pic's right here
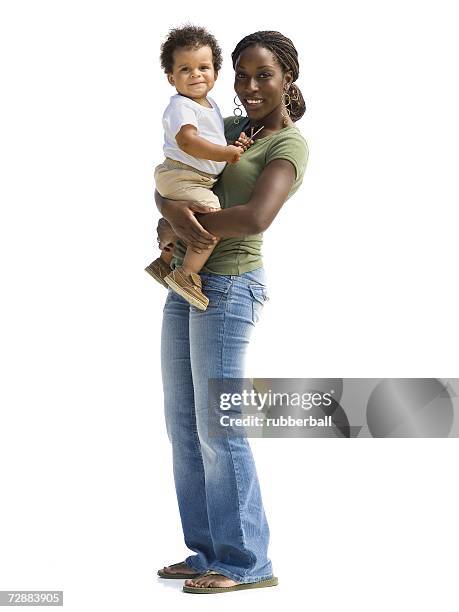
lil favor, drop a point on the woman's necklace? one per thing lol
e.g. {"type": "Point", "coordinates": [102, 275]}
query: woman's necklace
{"type": "Point", "coordinates": [252, 133]}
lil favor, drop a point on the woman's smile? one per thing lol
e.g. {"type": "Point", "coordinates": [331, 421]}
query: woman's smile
{"type": "Point", "coordinates": [259, 82]}
{"type": "Point", "coordinates": [253, 106]}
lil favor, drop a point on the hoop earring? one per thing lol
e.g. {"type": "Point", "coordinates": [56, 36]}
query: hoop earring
{"type": "Point", "coordinates": [294, 95]}
{"type": "Point", "coordinates": [286, 102]}
{"type": "Point", "coordinates": [237, 112]}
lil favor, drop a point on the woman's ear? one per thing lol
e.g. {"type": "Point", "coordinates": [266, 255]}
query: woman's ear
{"type": "Point", "coordinates": [170, 78]}
{"type": "Point", "coordinates": [288, 78]}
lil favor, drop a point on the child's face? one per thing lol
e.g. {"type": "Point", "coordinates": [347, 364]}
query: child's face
{"type": "Point", "coordinates": [193, 74]}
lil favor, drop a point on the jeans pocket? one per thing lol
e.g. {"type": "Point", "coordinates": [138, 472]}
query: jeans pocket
{"type": "Point", "coordinates": [215, 291]}
{"type": "Point", "coordinates": [260, 296]}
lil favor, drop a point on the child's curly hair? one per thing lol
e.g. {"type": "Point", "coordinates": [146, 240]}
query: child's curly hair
{"type": "Point", "coordinates": [189, 36]}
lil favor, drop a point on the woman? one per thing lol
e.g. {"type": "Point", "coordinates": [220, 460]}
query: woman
{"type": "Point", "coordinates": [218, 492]}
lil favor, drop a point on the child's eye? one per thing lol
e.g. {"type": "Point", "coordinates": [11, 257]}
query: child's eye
{"type": "Point", "coordinates": [183, 69]}
{"type": "Point", "coordinates": [205, 67]}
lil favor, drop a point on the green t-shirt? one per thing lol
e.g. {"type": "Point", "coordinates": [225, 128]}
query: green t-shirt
{"type": "Point", "coordinates": [235, 186]}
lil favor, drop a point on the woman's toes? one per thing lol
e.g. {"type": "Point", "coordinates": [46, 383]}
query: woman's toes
{"type": "Point", "coordinates": [210, 581]}
{"type": "Point", "coordinates": [195, 582]}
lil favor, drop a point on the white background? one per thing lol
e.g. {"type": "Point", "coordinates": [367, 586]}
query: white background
{"type": "Point", "coordinates": [362, 267]}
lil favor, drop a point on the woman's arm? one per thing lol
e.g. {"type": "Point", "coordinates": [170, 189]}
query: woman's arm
{"type": "Point", "coordinates": [181, 216]}
{"type": "Point", "coordinates": [270, 193]}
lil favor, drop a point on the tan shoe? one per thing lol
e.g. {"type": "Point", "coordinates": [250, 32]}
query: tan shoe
{"type": "Point", "coordinates": [159, 269]}
{"type": "Point", "coordinates": [189, 287]}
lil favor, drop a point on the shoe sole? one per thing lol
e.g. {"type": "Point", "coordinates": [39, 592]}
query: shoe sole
{"type": "Point", "coordinates": [237, 587]}
{"type": "Point", "coordinates": [186, 296]}
{"type": "Point", "coordinates": [156, 276]}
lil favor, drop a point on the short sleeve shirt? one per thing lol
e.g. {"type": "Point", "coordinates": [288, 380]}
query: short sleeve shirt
{"type": "Point", "coordinates": [208, 123]}
{"type": "Point", "coordinates": [235, 187]}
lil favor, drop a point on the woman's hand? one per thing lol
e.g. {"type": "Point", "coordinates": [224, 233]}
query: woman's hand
{"type": "Point", "coordinates": [166, 236]}
{"type": "Point", "coordinates": [181, 216]}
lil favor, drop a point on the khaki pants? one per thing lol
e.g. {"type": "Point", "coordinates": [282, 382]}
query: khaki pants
{"type": "Point", "coordinates": [179, 181]}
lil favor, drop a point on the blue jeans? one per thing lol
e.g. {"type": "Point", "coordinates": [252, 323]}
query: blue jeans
{"type": "Point", "coordinates": [217, 487]}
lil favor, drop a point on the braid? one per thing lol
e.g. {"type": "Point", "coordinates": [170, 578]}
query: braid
{"type": "Point", "coordinates": [284, 51]}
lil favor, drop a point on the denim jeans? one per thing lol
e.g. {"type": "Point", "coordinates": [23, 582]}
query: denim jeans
{"type": "Point", "coordinates": [217, 487]}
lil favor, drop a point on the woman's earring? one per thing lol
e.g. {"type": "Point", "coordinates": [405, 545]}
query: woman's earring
{"type": "Point", "coordinates": [237, 112]}
{"type": "Point", "coordinates": [294, 95]}
{"type": "Point", "coordinates": [286, 102]}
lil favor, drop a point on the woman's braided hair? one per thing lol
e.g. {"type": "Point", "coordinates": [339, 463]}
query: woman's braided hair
{"type": "Point", "coordinates": [284, 51]}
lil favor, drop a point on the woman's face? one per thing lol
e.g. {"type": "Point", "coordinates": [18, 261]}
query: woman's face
{"type": "Point", "coordinates": [259, 82]}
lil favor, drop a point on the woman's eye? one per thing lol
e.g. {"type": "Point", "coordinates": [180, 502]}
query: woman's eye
{"type": "Point", "coordinates": [265, 75]}
{"type": "Point", "coordinates": [239, 75]}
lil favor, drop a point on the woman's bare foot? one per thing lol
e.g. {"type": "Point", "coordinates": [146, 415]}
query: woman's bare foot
{"type": "Point", "coordinates": [212, 580]}
{"type": "Point", "coordinates": [179, 568]}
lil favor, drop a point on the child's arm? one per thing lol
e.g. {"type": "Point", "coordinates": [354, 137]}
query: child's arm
{"type": "Point", "coordinates": [192, 144]}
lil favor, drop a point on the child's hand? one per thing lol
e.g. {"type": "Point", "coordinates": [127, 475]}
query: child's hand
{"type": "Point", "coordinates": [243, 141]}
{"type": "Point", "coordinates": [233, 154]}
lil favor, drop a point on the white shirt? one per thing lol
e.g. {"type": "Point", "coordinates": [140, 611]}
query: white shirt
{"type": "Point", "coordinates": [208, 122]}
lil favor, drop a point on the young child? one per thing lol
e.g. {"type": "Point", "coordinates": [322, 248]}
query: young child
{"type": "Point", "coordinates": [194, 146]}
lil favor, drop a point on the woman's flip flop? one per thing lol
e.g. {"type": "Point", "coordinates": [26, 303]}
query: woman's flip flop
{"type": "Point", "coordinates": [273, 581]}
{"type": "Point", "coordinates": [178, 575]}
